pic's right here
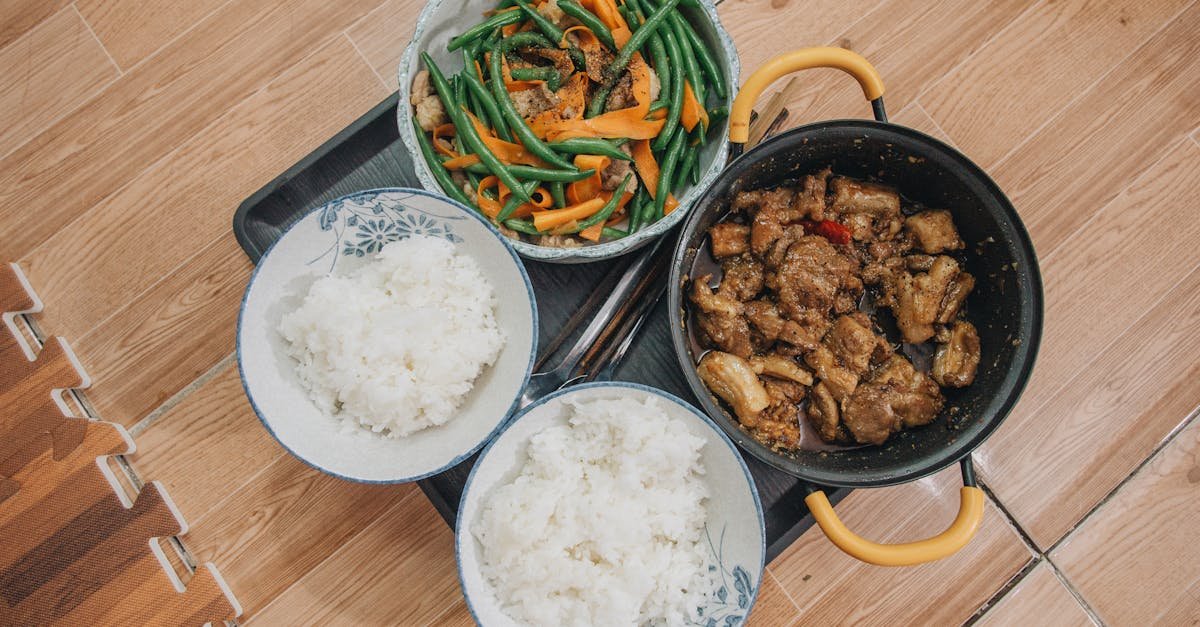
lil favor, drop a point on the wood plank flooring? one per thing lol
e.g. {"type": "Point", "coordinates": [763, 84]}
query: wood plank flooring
{"type": "Point", "coordinates": [131, 129]}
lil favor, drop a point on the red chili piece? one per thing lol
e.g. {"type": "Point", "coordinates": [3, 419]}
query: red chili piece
{"type": "Point", "coordinates": [830, 230]}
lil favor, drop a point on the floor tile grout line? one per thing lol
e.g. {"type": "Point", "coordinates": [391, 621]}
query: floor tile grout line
{"type": "Point", "coordinates": [936, 124]}
{"type": "Point", "coordinates": [1004, 590]}
{"type": "Point", "coordinates": [342, 547]}
{"type": "Point", "coordinates": [1187, 420]}
{"type": "Point", "coordinates": [767, 572]}
{"type": "Point", "coordinates": [90, 30]}
{"type": "Point", "coordinates": [1090, 87]}
{"type": "Point", "coordinates": [175, 399]}
{"type": "Point", "coordinates": [362, 56]}
{"type": "Point", "coordinates": [1079, 598]}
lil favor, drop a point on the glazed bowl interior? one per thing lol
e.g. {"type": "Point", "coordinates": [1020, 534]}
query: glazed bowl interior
{"type": "Point", "coordinates": [337, 238]}
{"type": "Point", "coordinates": [735, 536]}
{"type": "Point", "coordinates": [442, 20]}
{"type": "Point", "coordinates": [1005, 306]}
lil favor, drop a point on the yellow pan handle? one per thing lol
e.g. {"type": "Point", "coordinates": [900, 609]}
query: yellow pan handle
{"type": "Point", "coordinates": [970, 514]}
{"type": "Point", "coordinates": [850, 62]}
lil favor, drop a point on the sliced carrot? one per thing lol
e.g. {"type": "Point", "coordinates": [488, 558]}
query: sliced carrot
{"type": "Point", "coordinates": [461, 161]}
{"type": "Point", "coordinates": [590, 187]}
{"type": "Point", "coordinates": [607, 11]}
{"type": "Point", "coordinates": [647, 169]}
{"type": "Point", "coordinates": [692, 113]}
{"type": "Point", "coordinates": [441, 145]}
{"type": "Point", "coordinates": [508, 152]}
{"type": "Point", "coordinates": [491, 208]}
{"type": "Point", "coordinates": [550, 218]}
{"type": "Point", "coordinates": [593, 233]}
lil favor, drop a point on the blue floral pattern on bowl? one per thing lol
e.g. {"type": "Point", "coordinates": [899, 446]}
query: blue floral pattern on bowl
{"type": "Point", "coordinates": [362, 224]}
{"type": "Point", "coordinates": [731, 600]}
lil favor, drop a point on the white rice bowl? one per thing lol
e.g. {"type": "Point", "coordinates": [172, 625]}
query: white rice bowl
{"type": "Point", "coordinates": [396, 345]}
{"type": "Point", "coordinates": [610, 504]}
{"type": "Point", "coordinates": [339, 238]}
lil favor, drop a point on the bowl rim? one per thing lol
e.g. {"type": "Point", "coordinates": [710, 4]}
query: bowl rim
{"type": "Point", "coordinates": [590, 252]}
{"type": "Point", "coordinates": [1020, 369]}
{"type": "Point", "coordinates": [460, 531]}
{"type": "Point", "coordinates": [504, 419]}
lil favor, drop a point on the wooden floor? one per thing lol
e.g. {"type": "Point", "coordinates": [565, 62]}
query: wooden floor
{"type": "Point", "coordinates": [131, 129]}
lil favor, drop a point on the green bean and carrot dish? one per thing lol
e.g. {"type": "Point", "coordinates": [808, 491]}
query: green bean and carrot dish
{"type": "Point", "coordinates": [571, 121]}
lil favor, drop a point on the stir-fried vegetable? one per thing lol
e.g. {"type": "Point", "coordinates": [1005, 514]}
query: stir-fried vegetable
{"type": "Point", "coordinates": [581, 122]}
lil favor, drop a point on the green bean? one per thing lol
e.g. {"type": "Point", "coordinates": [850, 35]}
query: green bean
{"type": "Point", "coordinates": [607, 210]}
{"type": "Point", "coordinates": [513, 201]}
{"type": "Point", "coordinates": [647, 213]}
{"type": "Point", "coordinates": [636, 208]}
{"type": "Point", "coordinates": [473, 179]}
{"type": "Point", "coordinates": [466, 130]}
{"type": "Point", "coordinates": [522, 226]}
{"type": "Point", "coordinates": [547, 74]}
{"type": "Point", "coordinates": [589, 146]}
{"type": "Point", "coordinates": [658, 104]}
{"type": "Point", "coordinates": [690, 67]}
{"type": "Point", "coordinates": [610, 232]}
{"type": "Point", "coordinates": [688, 167]}
{"type": "Point", "coordinates": [515, 122]}
{"type": "Point", "coordinates": [538, 174]}
{"type": "Point", "coordinates": [675, 100]}
{"type": "Point", "coordinates": [639, 38]}
{"type": "Point", "coordinates": [556, 192]}
{"type": "Point", "coordinates": [485, 100]}
{"type": "Point", "coordinates": [662, 68]}
{"type": "Point", "coordinates": [708, 63]}
{"type": "Point", "coordinates": [666, 175]}
{"type": "Point", "coordinates": [617, 67]}
{"type": "Point", "coordinates": [527, 39]}
{"type": "Point", "coordinates": [438, 170]}
{"type": "Point", "coordinates": [545, 25]}
{"type": "Point", "coordinates": [476, 31]}
{"type": "Point", "coordinates": [589, 19]}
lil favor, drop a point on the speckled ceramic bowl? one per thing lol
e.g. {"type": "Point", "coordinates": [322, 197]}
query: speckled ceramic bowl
{"type": "Point", "coordinates": [735, 532]}
{"type": "Point", "coordinates": [442, 20]}
{"type": "Point", "coordinates": [337, 238]}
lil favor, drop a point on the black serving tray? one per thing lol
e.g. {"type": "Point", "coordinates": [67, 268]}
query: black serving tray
{"type": "Point", "coordinates": [369, 154]}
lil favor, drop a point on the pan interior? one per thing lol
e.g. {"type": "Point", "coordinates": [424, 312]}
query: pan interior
{"type": "Point", "coordinates": [1005, 305]}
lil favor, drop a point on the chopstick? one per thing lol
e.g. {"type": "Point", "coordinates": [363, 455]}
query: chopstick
{"type": "Point", "coordinates": [771, 114]}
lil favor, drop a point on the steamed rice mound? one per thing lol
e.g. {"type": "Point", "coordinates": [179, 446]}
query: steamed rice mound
{"type": "Point", "coordinates": [603, 525]}
{"type": "Point", "coordinates": [396, 345]}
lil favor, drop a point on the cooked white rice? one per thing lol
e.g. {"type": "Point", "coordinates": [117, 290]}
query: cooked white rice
{"type": "Point", "coordinates": [603, 525]}
{"type": "Point", "coordinates": [396, 345]}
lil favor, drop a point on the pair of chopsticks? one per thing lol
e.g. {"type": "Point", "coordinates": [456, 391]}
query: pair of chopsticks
{"type": "Point", "coordinates": [770, 118]}
{"type": "Point", "coordinates": [618, 308]}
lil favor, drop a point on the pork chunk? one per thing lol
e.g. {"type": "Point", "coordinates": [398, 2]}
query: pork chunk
{"type": "Point", "coordinates": [729, 239]}
{"type": "Point", "coordinates": [428, 107]}
{"type": "Point", "coordinates": [810, 201]}
{"type": "Point", "coordinates": [743, 277]}
{"type": "Point", "coordinates": [956, 360]}
{"type": "Point", "coordinates": [731, 378]}
{"type": "Point", "coordinates": [839, 379]}
{"type": "Point", "coordinates": [720, 319]}
{"type": "Point", "coordinates": [823, 414]}
{"type": "Point", "coordinates": [918, 298]}
{"type": "Point", "coordinates": [853, 196]}
{"type": "Point", "coordinates": [896, 396]}
{"type": "Point", "coordinates": [934, 231]}
{"type": "Point", "coordinates": [810, 277]}
{"type": "Point", "coordinates": [852, 343]}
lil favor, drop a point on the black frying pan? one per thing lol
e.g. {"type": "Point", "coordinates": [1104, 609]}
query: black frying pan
{"type": "Point", "coordinates": [1005, 306]}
